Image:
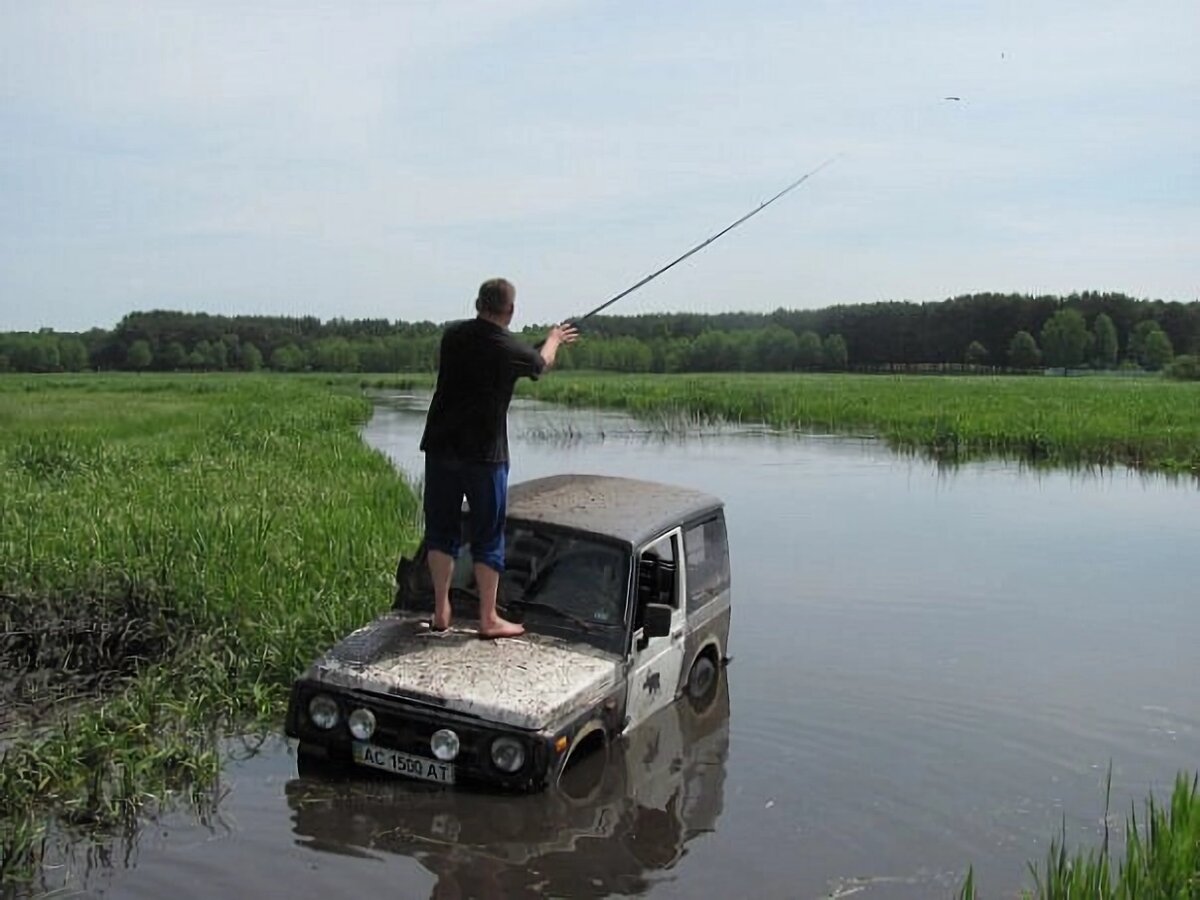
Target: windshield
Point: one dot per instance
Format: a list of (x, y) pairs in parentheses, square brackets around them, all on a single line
[(555, 582), (578, 577)]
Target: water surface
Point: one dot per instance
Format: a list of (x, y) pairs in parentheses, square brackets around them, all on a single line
[(931, 668)]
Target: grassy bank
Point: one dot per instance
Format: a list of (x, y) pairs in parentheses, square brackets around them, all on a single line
[(1161, 858), (1147, 423), (172, 551)]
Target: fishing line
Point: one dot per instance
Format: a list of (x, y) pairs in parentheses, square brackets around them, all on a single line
[(728, 228)]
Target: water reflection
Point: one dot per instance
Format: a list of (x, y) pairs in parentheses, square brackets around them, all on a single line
[(617, 819)]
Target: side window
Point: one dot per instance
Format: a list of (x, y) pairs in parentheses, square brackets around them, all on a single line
[(707, 550), (658, 581)]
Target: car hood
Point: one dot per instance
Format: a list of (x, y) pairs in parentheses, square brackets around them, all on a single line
[(527, 682)]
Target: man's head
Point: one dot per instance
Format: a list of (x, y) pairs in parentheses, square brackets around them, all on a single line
[(496, 301)]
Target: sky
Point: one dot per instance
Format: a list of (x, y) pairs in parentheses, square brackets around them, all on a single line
[(381, 159)]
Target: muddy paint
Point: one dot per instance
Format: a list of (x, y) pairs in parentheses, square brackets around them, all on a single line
[(931, 668), (529, 682), (632, 511)]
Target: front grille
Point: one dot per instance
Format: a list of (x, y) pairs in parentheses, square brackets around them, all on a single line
[(408, 727), (405, 731)]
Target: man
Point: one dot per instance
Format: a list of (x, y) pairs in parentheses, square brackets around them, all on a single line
[(466, 446)]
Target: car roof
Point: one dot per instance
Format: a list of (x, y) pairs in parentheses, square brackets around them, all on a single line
[(628, 509)]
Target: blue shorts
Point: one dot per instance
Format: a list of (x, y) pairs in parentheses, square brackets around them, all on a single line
[(485, 485)]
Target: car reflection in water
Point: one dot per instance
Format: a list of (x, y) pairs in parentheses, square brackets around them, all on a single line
[(615, 819)]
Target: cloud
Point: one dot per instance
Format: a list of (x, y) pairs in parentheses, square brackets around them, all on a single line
[(351, 159)]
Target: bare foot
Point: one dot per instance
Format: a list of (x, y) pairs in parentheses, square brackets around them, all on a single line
[(499, 628)]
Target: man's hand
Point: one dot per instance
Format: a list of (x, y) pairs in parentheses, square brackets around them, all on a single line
[(564, 333)]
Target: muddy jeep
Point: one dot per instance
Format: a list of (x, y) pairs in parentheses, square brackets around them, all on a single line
[(623, 588)]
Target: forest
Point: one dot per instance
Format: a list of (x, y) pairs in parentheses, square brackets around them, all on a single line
[(976, 332)]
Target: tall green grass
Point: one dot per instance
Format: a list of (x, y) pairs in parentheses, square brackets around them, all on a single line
[(233, 524), (1148, 423), (1161, 860)]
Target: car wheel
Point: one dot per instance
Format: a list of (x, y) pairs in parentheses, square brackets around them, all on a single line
[(584, 771), (702, 681)]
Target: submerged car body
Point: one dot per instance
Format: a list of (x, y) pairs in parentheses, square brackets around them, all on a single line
[(615, 821), (623, 587)]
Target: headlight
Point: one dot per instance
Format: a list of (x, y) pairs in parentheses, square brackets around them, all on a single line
[(362, 724), (444, 744), (508, 754), (323, 711)]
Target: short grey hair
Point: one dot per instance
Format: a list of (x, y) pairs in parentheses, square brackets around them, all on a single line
[(496, 296)]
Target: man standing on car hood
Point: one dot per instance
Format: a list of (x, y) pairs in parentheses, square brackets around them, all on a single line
[(466, 446)]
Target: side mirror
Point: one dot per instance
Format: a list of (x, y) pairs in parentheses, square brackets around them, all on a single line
[(656, 621)]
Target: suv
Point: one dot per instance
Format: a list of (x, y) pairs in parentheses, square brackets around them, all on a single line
[(623, 588)]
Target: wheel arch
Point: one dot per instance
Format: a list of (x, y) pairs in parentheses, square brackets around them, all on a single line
[(592, 736), (709, 646)]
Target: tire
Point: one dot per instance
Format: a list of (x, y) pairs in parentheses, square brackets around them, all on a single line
[(580, 781), (702, 682), (585, 769)]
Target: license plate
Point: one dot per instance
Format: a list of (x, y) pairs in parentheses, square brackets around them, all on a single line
[(403, 763)]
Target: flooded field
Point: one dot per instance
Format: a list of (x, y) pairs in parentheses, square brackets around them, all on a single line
[(931, 668)]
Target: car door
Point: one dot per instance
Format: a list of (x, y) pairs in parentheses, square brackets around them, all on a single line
[(657, 661)]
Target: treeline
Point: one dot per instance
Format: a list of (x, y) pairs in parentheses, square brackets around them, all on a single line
[(178, 341), (988, 331), (976, 329)]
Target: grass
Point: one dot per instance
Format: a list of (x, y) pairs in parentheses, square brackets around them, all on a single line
[(1161, 860), (1143, 423), (173, 550)]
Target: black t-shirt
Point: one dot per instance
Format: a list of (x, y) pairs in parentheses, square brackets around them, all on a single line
[(480, 363)]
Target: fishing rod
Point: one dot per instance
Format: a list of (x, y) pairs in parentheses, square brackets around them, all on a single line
[(728, 228)]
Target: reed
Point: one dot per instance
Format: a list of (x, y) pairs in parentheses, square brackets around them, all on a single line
[(1161, 858), (1108, 421), (173, 550)]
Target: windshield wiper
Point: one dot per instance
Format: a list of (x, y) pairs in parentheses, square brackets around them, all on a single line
[(586, 625)]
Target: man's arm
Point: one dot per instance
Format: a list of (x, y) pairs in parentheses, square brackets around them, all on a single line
[(559, 335)]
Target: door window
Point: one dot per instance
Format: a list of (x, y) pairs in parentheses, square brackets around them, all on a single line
[(657, 580), (659, 562)]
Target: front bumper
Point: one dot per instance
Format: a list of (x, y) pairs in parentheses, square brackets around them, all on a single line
[(408, 727)]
